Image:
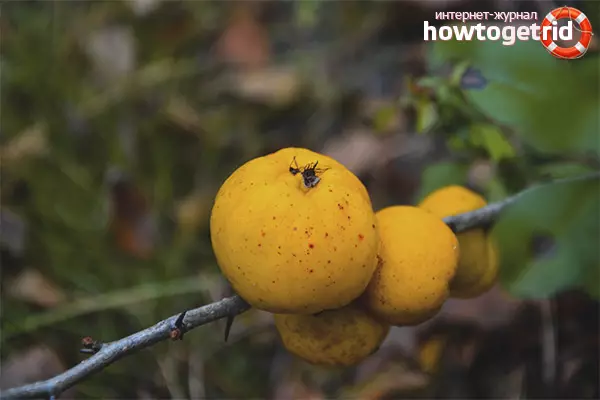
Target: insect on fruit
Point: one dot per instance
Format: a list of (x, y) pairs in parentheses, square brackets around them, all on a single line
[(309, 173)]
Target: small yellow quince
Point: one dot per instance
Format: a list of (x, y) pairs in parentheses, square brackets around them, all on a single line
[(478, 264), (341, 337), (418, 259)]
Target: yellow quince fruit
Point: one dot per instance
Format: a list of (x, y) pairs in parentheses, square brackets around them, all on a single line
[(341, 337), (294, 232), (478, 264), (418, 259)]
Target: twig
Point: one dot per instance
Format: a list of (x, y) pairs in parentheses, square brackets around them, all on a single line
[(485, 216), (113, 351), (227, 307)]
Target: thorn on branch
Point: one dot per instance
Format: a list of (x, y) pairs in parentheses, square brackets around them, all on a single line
[(90, 346), (228, 325), (178, 327)]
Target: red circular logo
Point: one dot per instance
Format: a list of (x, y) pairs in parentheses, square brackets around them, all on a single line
[(585, 27)]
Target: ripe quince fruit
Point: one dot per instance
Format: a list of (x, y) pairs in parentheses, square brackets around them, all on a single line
[(341, 337), (478, 264), (487, 280), (295, 232), (418, 259)]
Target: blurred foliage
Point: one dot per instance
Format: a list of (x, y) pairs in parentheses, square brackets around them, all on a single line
[(507, 104), (120, 121), (549, 240), (524, 89)]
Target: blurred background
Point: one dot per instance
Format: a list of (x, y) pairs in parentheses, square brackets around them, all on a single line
[(120, 120)]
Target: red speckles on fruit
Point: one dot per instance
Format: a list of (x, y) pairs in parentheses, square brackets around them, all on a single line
[(360, 237), (311, 246)]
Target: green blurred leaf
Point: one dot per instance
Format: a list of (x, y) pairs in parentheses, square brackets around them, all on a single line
[(564, 169), (496, 191), (456, 143), (384, 117), (552, 104), (307, 13), (565, 215), (430, 82), (441, 174), (458, 72), (492, 139), (427, 115)]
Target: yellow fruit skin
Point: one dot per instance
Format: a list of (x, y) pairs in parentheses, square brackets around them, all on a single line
[(419, 256), (474, 271), (341, 337), (288, 249), (487, 280), (473, 263), (452, 200)]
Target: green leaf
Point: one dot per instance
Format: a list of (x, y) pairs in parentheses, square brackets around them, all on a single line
[(456, 143), (495, 190), (492, 139), (565, 215), (441, 174), (564, 169), (552, 104), (427, 115), (307, 13), (458, 72), (431, 82), (384, 116)]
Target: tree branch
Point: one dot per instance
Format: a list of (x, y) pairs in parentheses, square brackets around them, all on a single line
[(107, 353), (111, 352)]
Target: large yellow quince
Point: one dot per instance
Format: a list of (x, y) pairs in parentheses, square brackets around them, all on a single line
[(478, 264), (294, 232), (418, 259), (341, 337)]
